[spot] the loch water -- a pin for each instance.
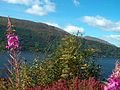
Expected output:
(107, 64)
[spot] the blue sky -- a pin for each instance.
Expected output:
(98, 18)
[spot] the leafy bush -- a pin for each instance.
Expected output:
(72, 60)
(66, 62)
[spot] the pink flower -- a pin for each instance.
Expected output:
(114, 80)
(13, 41)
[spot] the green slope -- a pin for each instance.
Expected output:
(32, 32)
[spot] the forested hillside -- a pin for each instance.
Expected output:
(46, 36)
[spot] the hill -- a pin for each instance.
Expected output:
(45, 35)
(98, 40)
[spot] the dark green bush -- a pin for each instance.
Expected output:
(68, 61)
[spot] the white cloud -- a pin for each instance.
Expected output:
(53, 24)
(114, 39)
(36, 7)
(74, 29)
(26, 2)
(42, 9)
(102, 23)
(76, 2)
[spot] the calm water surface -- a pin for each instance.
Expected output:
(108, 64)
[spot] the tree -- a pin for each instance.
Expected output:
(71, 60)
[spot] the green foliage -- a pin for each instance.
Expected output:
(94, 70)
(35, 75)
(37, 47)
(25, 79)
(35, 72)
(68, 61)
(68, 51)
(2, 41)
(72, 60)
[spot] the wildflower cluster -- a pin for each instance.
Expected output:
(114, 79)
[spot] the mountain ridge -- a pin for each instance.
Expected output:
(31, 32)
(98, 40)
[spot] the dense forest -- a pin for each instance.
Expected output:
(48, 37)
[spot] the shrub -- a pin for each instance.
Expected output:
(68, 62)
(71, 60)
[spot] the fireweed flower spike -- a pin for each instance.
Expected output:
(13, 41)
(12, 46)
(114, 79)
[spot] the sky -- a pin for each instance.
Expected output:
(97, 18)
